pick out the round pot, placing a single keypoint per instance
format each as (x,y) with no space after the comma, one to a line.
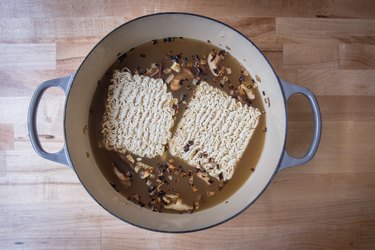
(80,87)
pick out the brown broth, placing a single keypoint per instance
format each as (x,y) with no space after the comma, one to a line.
(159,51)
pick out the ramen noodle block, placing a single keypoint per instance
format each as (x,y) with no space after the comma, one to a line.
(214,131)
(138,115)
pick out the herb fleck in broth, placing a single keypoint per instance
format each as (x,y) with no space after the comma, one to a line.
(155,59)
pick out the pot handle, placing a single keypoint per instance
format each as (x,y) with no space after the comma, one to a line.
(63,83)
(289,90)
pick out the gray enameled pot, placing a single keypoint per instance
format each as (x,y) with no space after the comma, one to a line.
(80,87)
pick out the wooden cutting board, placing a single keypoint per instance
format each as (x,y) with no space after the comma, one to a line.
(327,46)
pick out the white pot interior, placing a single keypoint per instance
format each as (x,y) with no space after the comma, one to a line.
(131,35)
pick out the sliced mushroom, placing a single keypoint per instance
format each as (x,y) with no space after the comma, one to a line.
(167,71)
(196,205)
(171,166)
(222,81)
(213,60)
(141,165)
(154,66)
(178,206)
(144,174)
(148,183)
(241,90)
(125,179)
(153,70)
(249,92)
(130,158)
(196,81)
(204,177)
(168,198)
(120,175)
(137,168)
(169,78)
(176,80)
(176,67)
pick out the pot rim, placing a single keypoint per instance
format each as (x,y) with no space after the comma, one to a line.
(234,30)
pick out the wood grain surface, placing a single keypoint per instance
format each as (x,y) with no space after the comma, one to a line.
(325,45)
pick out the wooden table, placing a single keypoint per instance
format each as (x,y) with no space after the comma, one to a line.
(327,46)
